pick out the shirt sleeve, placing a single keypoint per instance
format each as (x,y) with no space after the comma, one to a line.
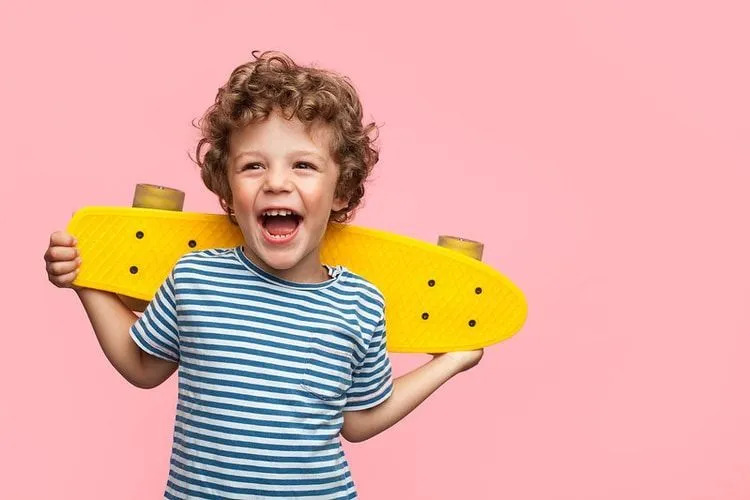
(372,381)
(156,330)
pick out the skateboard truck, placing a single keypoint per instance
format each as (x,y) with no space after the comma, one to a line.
(153,196)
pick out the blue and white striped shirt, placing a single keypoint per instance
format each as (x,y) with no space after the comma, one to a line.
(266,367)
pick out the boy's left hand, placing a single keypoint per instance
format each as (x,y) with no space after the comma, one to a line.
(462,359)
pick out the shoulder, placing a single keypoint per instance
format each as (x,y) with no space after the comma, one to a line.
(367,293)
(210,258)
(360,284)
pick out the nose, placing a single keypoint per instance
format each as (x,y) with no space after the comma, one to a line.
(277,179)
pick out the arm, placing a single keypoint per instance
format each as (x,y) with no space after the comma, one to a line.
(110,318)
(111,321)
(409,391)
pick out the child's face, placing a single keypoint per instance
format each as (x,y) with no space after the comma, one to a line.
(276,164)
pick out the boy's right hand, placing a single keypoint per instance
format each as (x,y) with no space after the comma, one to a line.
(62,259)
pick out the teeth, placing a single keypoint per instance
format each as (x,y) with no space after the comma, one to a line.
(278,236)
(278,212)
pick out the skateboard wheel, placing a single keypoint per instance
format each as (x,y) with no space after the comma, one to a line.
(152,196)
(470,248)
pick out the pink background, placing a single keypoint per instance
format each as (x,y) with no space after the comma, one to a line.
(598,149)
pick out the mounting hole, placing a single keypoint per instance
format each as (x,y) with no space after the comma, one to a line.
(431,282)
(425,315)
(192,243)
(472,322)
(478,290)
(139,234)
(133,269)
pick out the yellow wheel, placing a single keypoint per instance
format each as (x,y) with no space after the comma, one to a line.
(470,248)
(152,196)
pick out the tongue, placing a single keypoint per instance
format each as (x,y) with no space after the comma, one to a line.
(281,224)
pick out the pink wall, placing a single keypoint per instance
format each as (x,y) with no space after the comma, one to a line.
(598,149)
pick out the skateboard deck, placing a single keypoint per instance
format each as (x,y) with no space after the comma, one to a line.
(437,299)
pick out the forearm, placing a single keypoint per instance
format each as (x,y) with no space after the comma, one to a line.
(111,320)
(409,391)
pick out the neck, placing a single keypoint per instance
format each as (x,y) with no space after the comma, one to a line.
(295,274)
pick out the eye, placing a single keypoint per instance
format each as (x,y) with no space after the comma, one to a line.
(309,166)
(250,166)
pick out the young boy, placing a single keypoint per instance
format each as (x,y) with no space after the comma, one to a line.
(277,354)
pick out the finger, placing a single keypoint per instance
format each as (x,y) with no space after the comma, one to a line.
(62,238)
(57,254)
(65,280)
(61,268)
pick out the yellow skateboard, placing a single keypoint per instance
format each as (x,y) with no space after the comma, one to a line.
(439,298)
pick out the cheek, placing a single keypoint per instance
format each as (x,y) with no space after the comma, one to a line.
(242,197)
(241,202)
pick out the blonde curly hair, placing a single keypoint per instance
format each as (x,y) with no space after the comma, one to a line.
(273,80)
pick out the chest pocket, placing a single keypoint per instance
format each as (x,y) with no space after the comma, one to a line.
(327,374)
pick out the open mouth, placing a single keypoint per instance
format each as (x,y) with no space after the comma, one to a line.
(279,224)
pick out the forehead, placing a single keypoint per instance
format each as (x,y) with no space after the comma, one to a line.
(278,135)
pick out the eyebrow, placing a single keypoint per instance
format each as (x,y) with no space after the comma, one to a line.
(292,153)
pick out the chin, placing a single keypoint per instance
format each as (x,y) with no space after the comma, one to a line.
(281,263)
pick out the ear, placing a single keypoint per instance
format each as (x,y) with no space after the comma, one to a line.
(339,204)
(226,206)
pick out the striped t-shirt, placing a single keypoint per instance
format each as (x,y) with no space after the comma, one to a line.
(266,367)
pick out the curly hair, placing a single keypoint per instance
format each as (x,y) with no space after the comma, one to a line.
(273,80)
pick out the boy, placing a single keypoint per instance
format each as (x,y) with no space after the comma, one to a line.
(277,354)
